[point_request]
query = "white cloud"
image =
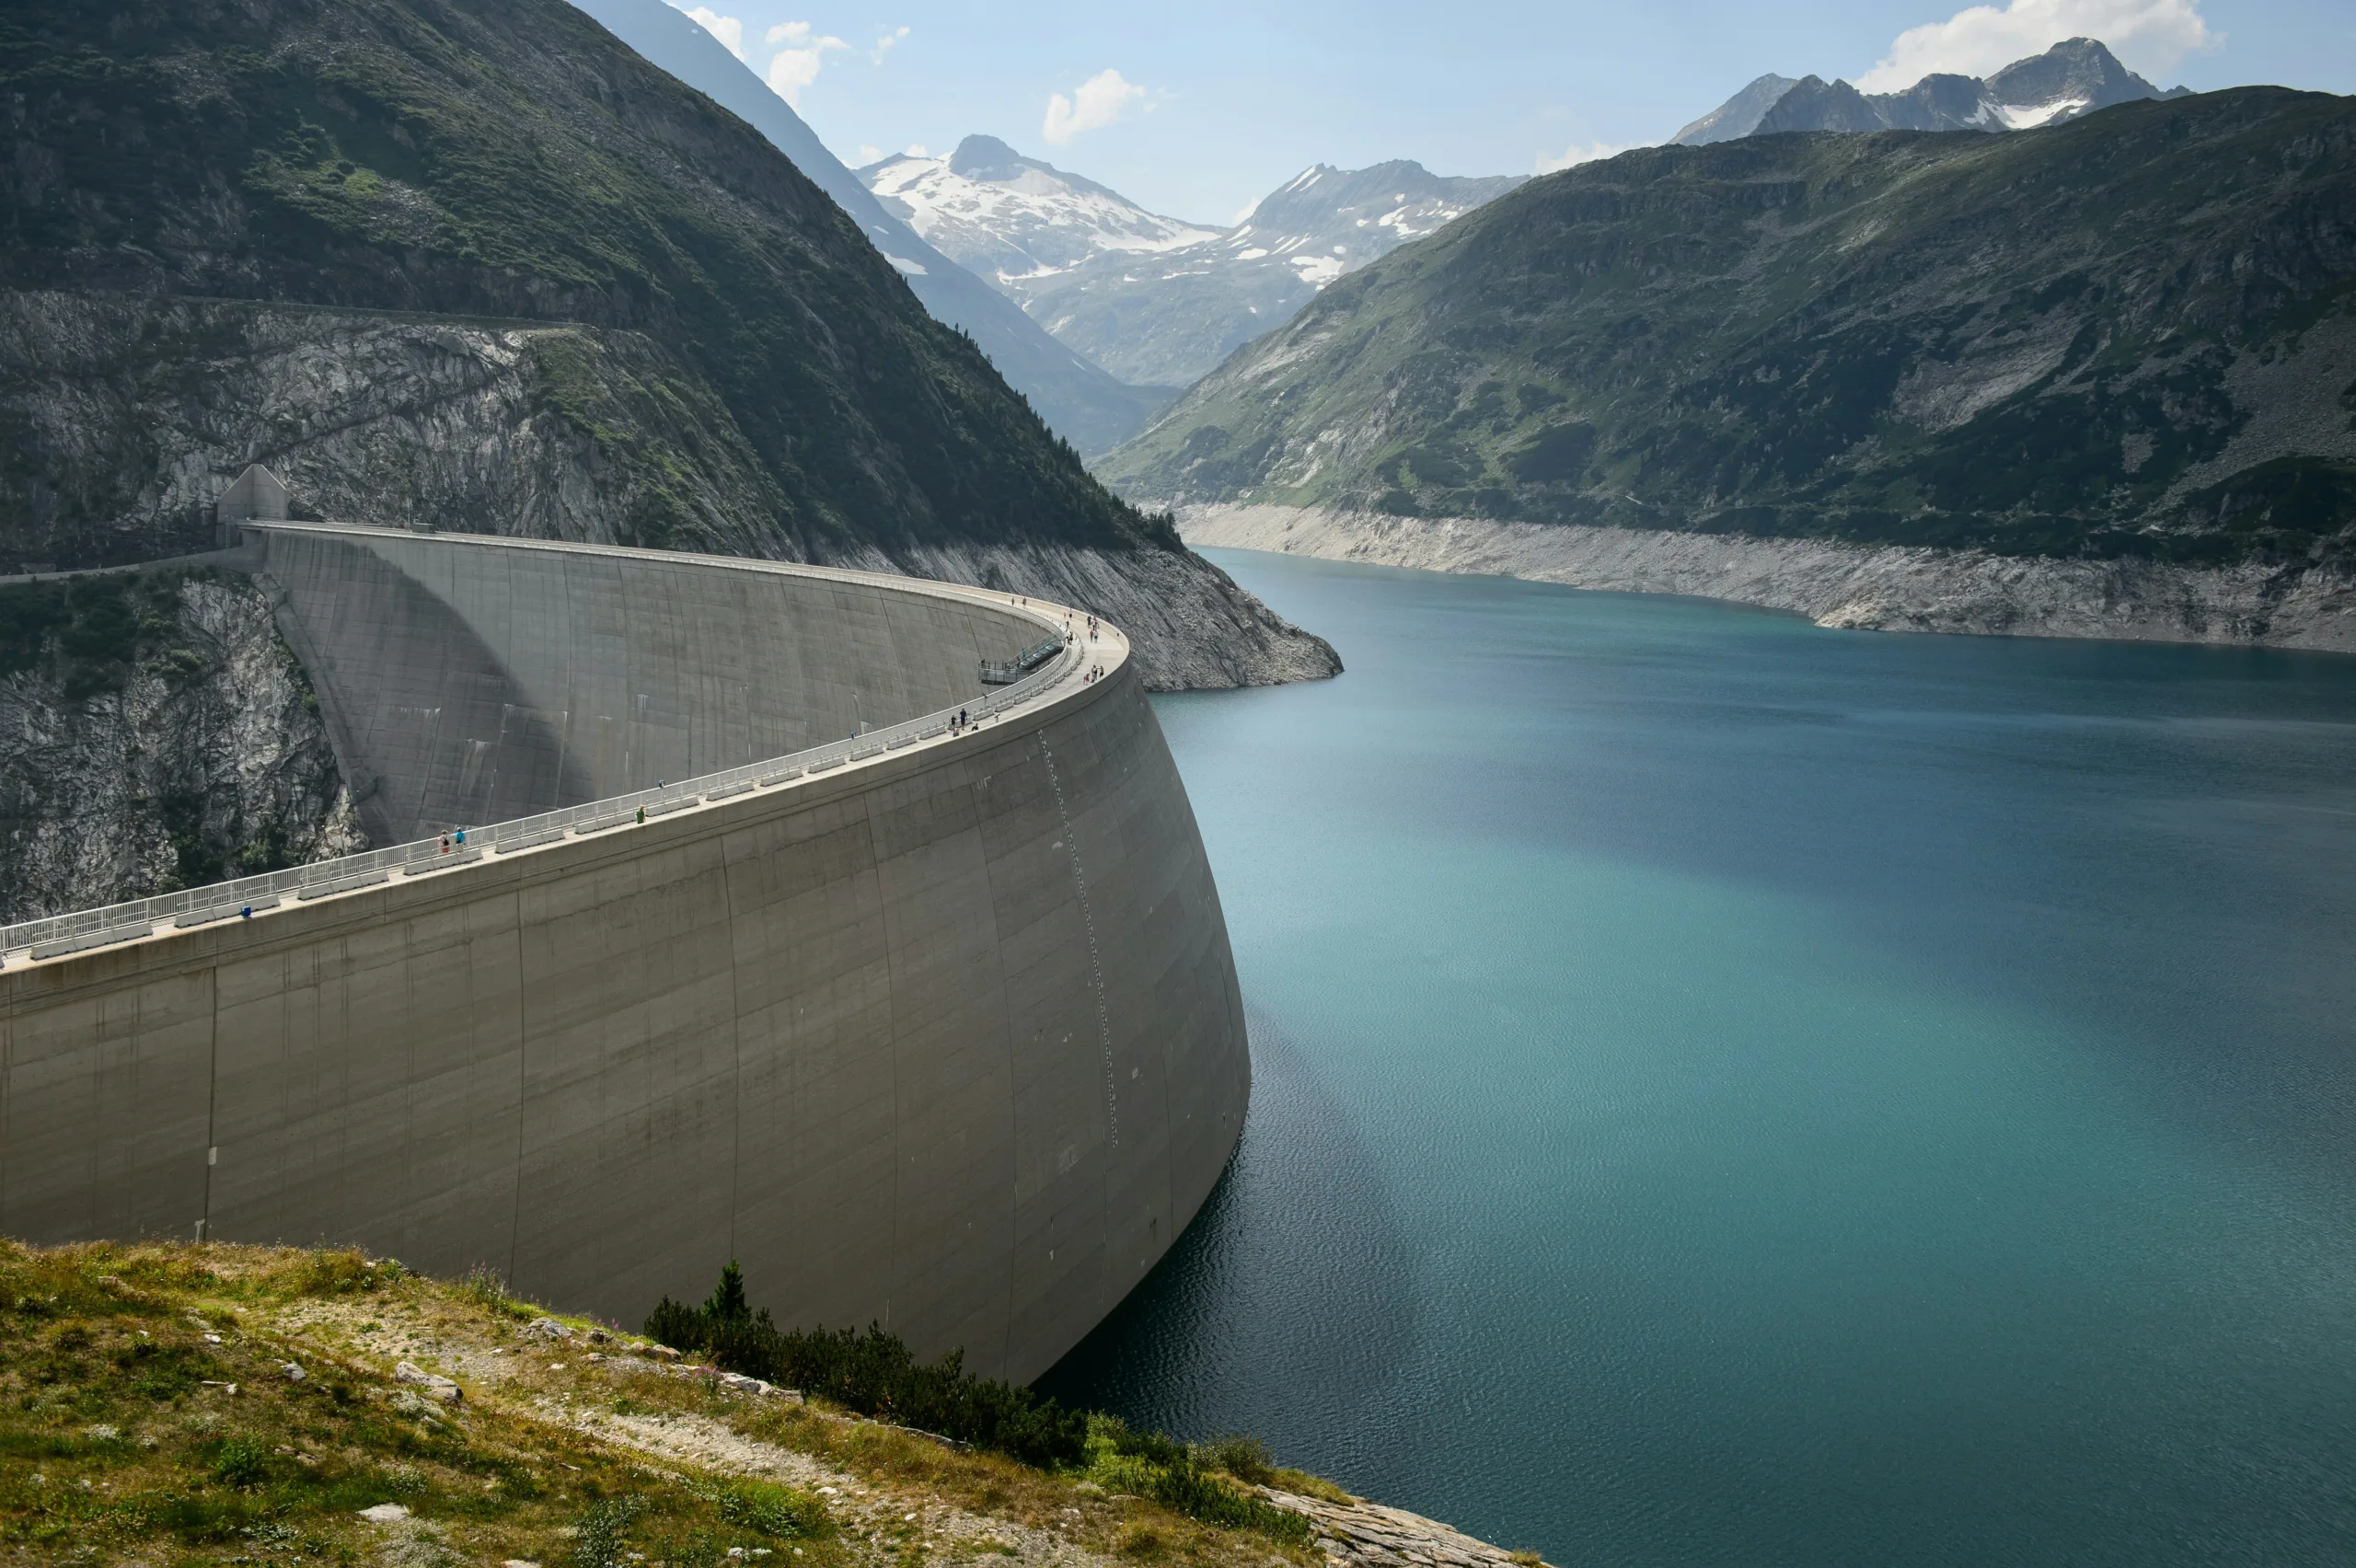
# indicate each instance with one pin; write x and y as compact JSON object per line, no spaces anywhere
{"x":883,"y":42}
{"x":868,"y":154}
{"x":1097,"y":101}
{"x":796,"y":66}
{"x":729,"y":30}
{"x":2149,"y":35}
{"x":1574,"y":154}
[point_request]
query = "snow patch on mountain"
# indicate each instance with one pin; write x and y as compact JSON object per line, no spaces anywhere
{"x":996,"y":212}
{"x":1075,"y":254}
{"x":2073,"y":77}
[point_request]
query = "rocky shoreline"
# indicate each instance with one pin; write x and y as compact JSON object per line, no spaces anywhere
{"x":1190,"y":628}
{"x":1869,"y":588}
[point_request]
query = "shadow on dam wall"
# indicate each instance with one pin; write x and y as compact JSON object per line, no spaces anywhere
{"x":426,"y":719}
{"x":948,"y":1038}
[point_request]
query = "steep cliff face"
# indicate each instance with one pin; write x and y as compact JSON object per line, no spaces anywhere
{"x":473,"y":264}
{"x":155,"y":733}
{"x":123,"y":412}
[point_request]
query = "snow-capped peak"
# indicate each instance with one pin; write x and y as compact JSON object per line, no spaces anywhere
{"x":990,"y":207}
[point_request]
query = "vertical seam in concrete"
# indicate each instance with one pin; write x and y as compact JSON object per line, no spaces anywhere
{"x":1013,"y":1089}
{"x":736,"y":1051}
{"x":892,"y":1034}
{"x":522,"y":1080}
{"x":1095,"y":961}
{"x":212,"y":1096}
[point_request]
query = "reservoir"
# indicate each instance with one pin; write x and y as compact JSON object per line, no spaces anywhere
{"x":1732,"y":1092}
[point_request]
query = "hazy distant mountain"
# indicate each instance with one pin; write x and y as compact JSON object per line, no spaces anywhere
{"x":1153,"y":300}
{"x":2073,"y":77}
{"x":1087,"y":406}
{"x":995,"y":211}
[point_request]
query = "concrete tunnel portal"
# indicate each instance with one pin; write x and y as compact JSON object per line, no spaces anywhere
{"x":750,"y":953}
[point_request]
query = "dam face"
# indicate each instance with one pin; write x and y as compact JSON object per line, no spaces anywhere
{"x":946,"y":1037}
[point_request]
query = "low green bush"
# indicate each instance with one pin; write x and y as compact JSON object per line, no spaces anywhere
{"x":873,"y":1373}
{"x":1211,"y":1484}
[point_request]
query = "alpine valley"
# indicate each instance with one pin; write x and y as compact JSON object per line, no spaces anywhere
{"x":1156,"y":300}
{"x":2094,"y":378}
{"x":475,"y":264}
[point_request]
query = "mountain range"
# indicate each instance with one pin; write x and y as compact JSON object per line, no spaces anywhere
{"x":2073,"y":77}
{"x":1078,"y":400}
{"x":1158,"y":301}
{"x":2130,"y":334}
{"x":476,"y":264}
{"x":1004,"y":216}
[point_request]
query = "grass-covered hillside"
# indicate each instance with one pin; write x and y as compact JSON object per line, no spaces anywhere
{"x":174,"y":1404}
{"x":747,"y":369}
{"x":2130,"y":335}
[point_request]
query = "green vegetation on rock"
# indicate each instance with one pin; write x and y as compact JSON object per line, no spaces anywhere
{"x":210,"y":1404}
{"x":872,"y":1373}
{"x":153,"y":1405}
{"x":89,"y":633}
{"x":2130,"y":335}
{"x":746,"y":370}
{"x":156,"y":734}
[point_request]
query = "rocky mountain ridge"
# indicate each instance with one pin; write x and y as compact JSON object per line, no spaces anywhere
{"x":2128,"y":336}
{"x":474,"y":264}
{"x":1009,"y":216}
{"x":2076,"y":76}
{"x":1078,"y":400}
{"x":1133,"y":290}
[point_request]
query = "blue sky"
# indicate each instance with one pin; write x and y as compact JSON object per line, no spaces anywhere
{"x":1199,"y":107}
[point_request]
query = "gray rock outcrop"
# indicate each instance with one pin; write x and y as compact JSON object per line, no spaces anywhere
{"x":1359,"y":1534}
{"x":535,"y":431}
{"x":207,"y":760}
{"x":1873,"y":588}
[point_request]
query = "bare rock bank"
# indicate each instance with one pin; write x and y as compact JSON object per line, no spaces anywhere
{"x":1866,"y":588}
{"x":135,"y":412}
{"x":1189,"y":625}
{"x":155,"y":733}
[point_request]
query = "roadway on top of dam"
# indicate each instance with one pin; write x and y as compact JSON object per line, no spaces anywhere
{"x":928,"y":1025}
{"x":1093,"y":645}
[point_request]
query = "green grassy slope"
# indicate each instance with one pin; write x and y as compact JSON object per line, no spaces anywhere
{"x":2132,"y":334}
{"x":508,"y":158}
{"x":188,"y":1405}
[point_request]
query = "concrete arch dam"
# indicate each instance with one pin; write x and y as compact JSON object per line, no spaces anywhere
{"x":928,"y":1026}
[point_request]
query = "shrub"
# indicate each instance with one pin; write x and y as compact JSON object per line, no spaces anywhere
{"x":601,"y":1536}
{"x":1148,"y":1464}
{"x":241,"y":1463}
{"x":1245,"y":1459}
{"x":777,"y":1512}
{"x":873,"y":1373}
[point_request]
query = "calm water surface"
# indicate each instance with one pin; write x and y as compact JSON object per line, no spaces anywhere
{"x":1732,"y":1092}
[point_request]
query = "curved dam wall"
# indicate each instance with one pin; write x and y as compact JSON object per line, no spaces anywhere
{"x":948,"y":1038}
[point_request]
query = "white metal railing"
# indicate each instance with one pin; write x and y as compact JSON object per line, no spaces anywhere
{"x":1030,"y":658}
{"x":85,"y":928}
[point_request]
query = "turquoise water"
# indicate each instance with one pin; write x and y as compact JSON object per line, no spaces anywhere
{"x":1733,"y":1092}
